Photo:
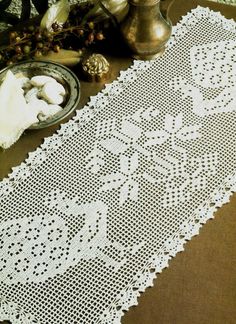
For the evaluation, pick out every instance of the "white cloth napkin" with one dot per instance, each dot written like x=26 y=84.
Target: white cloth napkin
x=15 y=114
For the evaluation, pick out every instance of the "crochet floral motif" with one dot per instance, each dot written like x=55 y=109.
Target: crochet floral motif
x=119 y=138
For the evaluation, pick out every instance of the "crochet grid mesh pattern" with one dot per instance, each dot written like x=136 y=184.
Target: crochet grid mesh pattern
x=102 y=206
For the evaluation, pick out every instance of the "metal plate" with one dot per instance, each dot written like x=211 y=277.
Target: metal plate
x=61 y=74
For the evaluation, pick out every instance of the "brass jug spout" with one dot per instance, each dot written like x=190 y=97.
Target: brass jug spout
x=145 y=30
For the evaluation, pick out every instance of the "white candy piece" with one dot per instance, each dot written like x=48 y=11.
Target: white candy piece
x=55 y=108
x=24 y=82
x=61 y=90
x=32 y=95
x=38 y=105
x=41 y=80
x=43 y=110
x=53 y=93
x=49 y=111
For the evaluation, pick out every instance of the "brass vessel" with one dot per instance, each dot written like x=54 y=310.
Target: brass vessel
x=145 y=30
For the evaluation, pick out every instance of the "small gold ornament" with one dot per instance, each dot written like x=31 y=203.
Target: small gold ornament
x=96 y=68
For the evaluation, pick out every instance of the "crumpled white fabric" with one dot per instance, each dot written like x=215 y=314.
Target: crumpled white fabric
x=15 y=113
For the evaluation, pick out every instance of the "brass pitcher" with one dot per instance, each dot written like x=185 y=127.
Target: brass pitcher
x=145 y=30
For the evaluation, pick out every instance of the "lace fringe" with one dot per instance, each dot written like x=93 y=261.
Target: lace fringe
x=10 y=311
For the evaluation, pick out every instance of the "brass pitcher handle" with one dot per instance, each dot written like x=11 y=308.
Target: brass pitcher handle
x=109 y=14
x=164 y=8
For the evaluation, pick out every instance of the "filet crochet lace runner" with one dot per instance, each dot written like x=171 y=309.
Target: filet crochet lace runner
x=119 y=189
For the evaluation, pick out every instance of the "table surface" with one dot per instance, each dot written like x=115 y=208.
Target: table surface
x=199 y=287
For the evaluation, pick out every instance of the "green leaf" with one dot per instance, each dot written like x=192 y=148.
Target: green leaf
x=57 y=13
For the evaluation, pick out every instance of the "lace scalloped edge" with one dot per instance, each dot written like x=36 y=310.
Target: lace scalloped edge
x=10 y=311
x=144 y=278
x=101 y=100
x=190 y=228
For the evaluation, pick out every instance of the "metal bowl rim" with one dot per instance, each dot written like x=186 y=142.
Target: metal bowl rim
x=55 y=120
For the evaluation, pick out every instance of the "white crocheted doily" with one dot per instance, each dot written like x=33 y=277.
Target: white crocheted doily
x=92 y=215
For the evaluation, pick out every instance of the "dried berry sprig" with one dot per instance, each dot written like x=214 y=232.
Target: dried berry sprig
x=34 y=42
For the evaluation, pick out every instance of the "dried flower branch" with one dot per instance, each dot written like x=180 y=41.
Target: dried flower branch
x=59 y=28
